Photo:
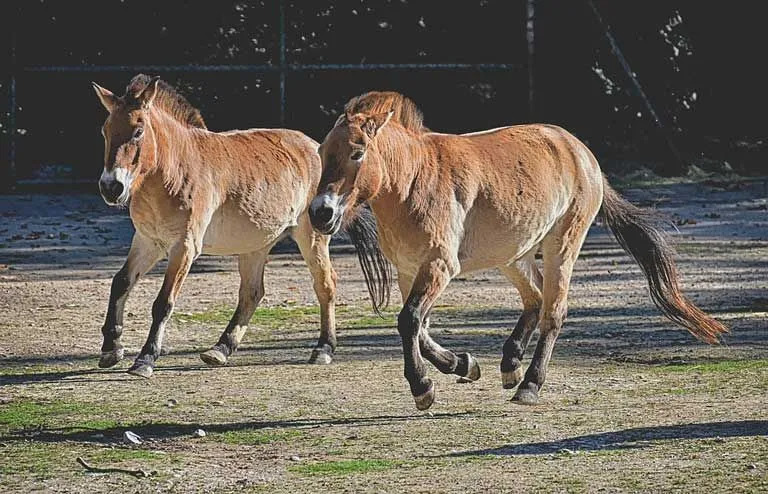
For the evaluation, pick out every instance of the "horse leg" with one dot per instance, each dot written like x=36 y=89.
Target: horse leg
x=251 y=268
x=143 y=255
x=447 y=362
x=428 y=284
x=182 y=254
x=561 y=247
x=526 y=277
x=314 y=250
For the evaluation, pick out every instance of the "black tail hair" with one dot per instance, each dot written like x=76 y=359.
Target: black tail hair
x=377 y=271
x=637 y=232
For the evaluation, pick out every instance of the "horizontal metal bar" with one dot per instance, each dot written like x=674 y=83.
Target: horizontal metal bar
x=272 y=68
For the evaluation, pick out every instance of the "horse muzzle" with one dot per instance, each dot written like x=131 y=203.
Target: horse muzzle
x=326 y=213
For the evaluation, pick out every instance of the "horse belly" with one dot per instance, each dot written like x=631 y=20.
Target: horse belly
x=232 y=232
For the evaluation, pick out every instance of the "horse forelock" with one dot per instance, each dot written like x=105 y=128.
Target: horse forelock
x=167 y=98
x=404 y=110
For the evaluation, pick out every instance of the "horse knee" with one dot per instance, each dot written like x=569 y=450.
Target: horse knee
x=408 y=322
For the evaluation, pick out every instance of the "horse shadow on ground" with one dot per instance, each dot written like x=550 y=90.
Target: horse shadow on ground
x=169 y=430
x=640 y=437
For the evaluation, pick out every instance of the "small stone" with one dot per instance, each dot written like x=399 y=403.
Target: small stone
x=752 y=466
x=171 y=403
x=131 y=437
x=463 y=380
x=295 y=458
x=217 y=403
x=199 y=433
x=567 y=451
x=430 y=414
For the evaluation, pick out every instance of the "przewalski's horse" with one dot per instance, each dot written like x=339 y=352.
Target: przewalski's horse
x=195 y=192
x=449 y=204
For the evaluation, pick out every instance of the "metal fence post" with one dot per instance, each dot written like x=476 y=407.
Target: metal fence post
x=282 y=62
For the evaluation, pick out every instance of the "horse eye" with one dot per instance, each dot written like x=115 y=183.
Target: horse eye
x=138 y=132
x=357 y=155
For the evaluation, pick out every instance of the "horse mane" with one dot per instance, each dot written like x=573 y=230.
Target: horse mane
x=406 y=113
x=170 y=100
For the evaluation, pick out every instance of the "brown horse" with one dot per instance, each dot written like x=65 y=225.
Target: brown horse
x=449 y=204
x=195 y=192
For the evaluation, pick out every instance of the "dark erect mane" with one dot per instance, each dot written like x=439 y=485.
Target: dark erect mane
x=169 y=100
x=406 y=113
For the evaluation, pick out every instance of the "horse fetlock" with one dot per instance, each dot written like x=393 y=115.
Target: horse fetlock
x=527 y=394
x=511 y=378
x=424 y=400
x=214 y=357
x=111 y=358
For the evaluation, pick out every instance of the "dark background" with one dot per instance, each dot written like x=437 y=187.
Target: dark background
x=699 y=62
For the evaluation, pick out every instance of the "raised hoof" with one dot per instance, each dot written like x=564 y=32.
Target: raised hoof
x=109 y=359
x=213 y=357
x=510 y=379
x=141 y=369
x=473 y=373
x=425 y=400
x=320 y=356
x=526 y=396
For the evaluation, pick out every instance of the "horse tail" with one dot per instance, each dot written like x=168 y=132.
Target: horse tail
x=377 y=271
x=637 y=231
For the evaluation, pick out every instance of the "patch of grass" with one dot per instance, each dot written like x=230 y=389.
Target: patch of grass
x=269 y=317
x=123 y=454
x=254 y=437
x=345 y=467
x=25 y=414
x=36 y=460
x=721 y=366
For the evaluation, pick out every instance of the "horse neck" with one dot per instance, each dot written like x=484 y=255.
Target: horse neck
x=176 y=147
x=403 y=155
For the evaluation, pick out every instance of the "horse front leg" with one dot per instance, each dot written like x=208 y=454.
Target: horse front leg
x=428 y=284
x=143 y=255
x=182 y=254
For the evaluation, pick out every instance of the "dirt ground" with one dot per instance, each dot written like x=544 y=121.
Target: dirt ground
x=631 y=404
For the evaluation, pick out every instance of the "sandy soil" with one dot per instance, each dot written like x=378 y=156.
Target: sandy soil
x=631 y=403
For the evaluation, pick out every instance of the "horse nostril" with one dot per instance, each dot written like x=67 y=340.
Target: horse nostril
x=111 y=189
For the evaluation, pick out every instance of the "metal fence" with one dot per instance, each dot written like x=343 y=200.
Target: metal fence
x=283 y=69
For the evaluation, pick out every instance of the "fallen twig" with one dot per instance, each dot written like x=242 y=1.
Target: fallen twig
x=130 y=471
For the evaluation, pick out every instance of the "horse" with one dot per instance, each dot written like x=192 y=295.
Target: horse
x=450 y=204
x=191 y=192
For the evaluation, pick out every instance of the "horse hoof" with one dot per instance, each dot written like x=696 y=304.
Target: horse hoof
x=213 y=357
x=109 y=359
x=425 y=400
x=526 y=396
x=141 y=370
x=473 y=370
x=320 y=356
x=510 y=379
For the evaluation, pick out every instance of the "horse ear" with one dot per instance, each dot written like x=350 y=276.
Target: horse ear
x=374 y=123
x=147 y=95
x=106 y=97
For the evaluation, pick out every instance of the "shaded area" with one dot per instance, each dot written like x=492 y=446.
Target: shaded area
x=172 y=430
x=639 y=437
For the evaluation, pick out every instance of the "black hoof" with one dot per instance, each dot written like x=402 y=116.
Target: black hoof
x=510 y=379
x=526 y=395
x=109 y=359
x=321 y=355
x=214 y=357
x=425 y=400
x=141 y=369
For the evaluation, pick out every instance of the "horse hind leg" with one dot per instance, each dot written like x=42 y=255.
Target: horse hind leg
x=314 y=250
x=251 y=267
x=561 y=247
x=526 y=277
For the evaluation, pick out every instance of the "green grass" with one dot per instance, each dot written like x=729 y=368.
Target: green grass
x=254 y=437
x=25 y=414
x=122 y=454
x=721 y=366
x=345 y=467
